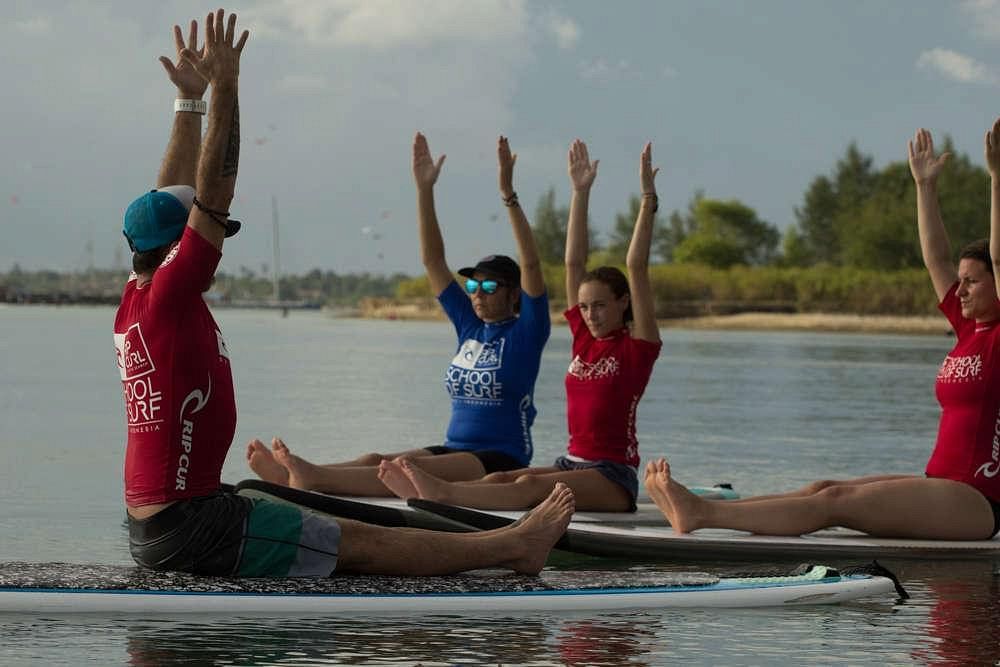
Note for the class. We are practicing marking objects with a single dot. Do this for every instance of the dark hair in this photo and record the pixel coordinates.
(978, 250)
(144, 262)
(616, 282)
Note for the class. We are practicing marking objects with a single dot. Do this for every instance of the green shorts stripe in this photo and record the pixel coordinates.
(283, 540)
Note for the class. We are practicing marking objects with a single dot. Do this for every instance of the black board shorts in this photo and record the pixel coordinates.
(228, 535)
(995, 506)
(492, 460)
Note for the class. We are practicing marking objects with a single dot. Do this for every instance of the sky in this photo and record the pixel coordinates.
(743, 100)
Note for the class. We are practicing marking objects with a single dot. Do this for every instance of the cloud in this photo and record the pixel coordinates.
(956, 66)
(388, 24)
(602, 71)
(565, 30)
(985, 16)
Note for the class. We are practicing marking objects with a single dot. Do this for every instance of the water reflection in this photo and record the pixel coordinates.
(964, 623)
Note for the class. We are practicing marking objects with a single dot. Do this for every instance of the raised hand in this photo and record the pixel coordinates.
(647, 174)
(582, 171)
(189, 83)
(924, 165)
(992, 149)
(425, 169)
(220, 59)
(505, 160)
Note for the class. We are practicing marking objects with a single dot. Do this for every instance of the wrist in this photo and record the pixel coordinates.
(510, 200)
(581, 190)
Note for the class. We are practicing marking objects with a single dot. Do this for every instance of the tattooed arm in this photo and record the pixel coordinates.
(220, 150)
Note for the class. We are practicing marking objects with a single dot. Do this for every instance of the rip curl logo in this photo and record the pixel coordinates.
(960, 369)
(472, 375)
(187, 432)
(602, 368)
(132, 354)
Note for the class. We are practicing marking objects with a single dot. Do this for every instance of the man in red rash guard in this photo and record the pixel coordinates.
(178, 385)
(959, 496)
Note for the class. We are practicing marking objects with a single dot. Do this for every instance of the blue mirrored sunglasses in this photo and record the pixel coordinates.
(488, 286)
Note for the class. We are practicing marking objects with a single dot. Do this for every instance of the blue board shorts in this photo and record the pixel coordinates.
(229, 535)
(623, 475)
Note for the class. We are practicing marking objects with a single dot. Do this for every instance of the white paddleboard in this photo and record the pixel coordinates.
(54, 588)
(662, 543)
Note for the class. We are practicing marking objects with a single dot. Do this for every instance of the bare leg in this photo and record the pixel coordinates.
(908, 507)
(592, 490)
(364, 480)
(522, 548)
(262, 462)
(820, 485)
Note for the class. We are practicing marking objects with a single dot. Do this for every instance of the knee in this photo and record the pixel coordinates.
(820, 485)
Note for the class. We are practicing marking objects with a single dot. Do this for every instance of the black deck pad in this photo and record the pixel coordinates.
(71, 576)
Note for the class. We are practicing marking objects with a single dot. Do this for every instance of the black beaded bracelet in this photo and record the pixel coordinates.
(511, 200)
(218, 216)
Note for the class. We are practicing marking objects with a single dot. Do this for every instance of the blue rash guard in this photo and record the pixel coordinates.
(491, 379)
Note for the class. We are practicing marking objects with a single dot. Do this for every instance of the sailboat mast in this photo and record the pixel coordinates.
(276, 272)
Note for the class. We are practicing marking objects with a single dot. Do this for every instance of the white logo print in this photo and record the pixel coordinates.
(187, 432)
(603, 367)
(472, 375)
(992, 467)
(960, 369)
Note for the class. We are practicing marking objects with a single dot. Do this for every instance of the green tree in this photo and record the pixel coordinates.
(550, 228)
(727, 233)
(616, 249)
(678, 227)
(829, 201)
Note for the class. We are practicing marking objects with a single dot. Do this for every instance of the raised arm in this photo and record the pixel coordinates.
(582, 173)
(219, 64)
(425, 175)
(180, 161)
(644, 314)
(934, 245)
(993, 164)
(532, 282)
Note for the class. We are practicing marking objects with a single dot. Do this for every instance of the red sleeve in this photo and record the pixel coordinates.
(581, 334)
(952, 309)
(186, 272)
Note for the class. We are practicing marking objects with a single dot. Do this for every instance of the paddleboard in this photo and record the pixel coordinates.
(396, 512)
(56, 588)
(662, 543)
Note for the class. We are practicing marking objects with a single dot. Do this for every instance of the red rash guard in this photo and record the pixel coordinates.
(178, 386)
(968, 389)
(604, 383)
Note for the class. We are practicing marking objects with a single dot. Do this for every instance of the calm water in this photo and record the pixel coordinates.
(765, 411)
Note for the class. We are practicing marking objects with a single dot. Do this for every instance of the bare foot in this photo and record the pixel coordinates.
(426, 485)
(262, 462)
(301, 473)
(391, 474)
(685, 508)
(540, 529)
(654, 489)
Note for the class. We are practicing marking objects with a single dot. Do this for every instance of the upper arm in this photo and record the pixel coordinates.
(574, 276)
(644, 325)
(439, 276)
(943, 276)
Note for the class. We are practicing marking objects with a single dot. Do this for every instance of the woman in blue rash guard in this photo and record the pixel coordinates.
(501, 316)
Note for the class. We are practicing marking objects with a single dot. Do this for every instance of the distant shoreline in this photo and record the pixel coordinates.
(428, 310)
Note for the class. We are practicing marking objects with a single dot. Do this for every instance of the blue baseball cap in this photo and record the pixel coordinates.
(159, 217)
